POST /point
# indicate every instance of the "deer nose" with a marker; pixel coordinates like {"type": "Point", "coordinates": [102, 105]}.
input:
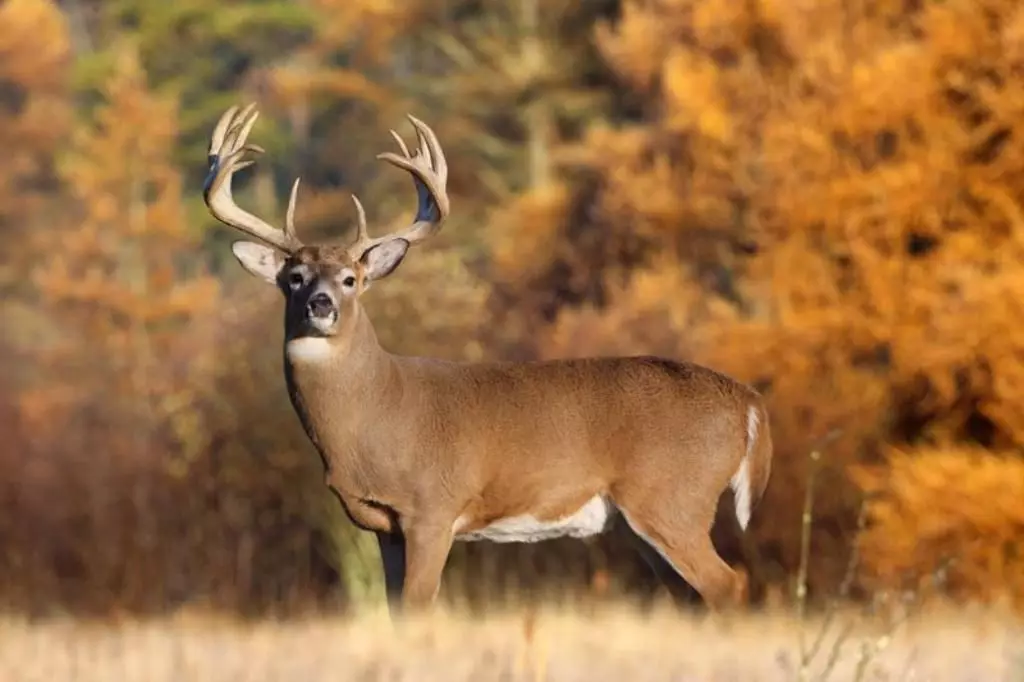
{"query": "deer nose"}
{"type": "Point", "coordinates": [320, 305]}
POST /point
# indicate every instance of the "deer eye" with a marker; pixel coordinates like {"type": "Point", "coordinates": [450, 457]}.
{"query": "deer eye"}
{"type": "Point", "coordinates": [296, 280]}
{"type": "Point", "coordinates": [349, 281]}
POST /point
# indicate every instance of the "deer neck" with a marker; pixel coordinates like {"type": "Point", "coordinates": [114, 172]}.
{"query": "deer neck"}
{"type": "Point", "coordinates": [340, 384]}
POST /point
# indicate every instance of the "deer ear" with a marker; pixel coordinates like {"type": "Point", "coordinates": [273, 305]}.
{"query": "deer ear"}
{"type": "Point", "coordinates": [381, 260]}
{"type": "Point", "coordinates": [262, 261]}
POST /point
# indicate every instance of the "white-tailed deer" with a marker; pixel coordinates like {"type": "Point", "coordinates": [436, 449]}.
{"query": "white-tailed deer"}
{"type": "Point", "coordinates": [423, 451]}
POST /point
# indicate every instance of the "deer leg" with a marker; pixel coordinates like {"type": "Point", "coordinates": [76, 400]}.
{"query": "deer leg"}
{"type": "Point", "coordinates": [392, 556]}
{"type": "Point", "coordinates": [693, 557]}
{"type": "Point", "coordinates": [680, 591]}
{"type": "Point", "coordinates": [426, 552]}
{"type": "Point", "coordinates": [683, 540]}
{"type": "Point", "coordinates": [700, 564]}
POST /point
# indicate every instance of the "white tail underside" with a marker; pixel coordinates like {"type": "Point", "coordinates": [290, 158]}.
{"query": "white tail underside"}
{"type": "Point", "coordinates": [740, 482]}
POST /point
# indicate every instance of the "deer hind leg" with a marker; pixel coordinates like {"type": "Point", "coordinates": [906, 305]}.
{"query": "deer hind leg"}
{"type": "Point", "coordinates": [683, 541]}
{"type": "Point", "coordinates": [669, 578]}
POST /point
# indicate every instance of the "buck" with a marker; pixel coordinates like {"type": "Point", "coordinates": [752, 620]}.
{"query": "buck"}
{"type": "Point", "coordinates": [423, 452]}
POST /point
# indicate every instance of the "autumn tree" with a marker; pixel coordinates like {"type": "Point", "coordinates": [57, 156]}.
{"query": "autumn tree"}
{"type": "Point", "coordinates": [184, 490]}
{"type": "Point", "coordinates": [115, 300]}
{"type": "Point", "coordinates": [159, 391]}
{"type": "Point", "coordinates": [34, 119]}
{"type": "Point", "coordinates": [946, 515]}
{"type": "Point", "coordinates": [115, 274]}
{"type": "Point", "coordinates": [820, 201]}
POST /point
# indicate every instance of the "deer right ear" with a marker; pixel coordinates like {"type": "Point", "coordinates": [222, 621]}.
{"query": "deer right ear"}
{"type": "Point", "coordinates": [259, 260]}
{"type": "Point", "coordinates": [381, 260]}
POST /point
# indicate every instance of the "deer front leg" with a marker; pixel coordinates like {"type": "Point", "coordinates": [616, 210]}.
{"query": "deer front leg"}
{"type": "Point", "coordinates": [426, 551]}
{"type": "Point", "coordinates": [370, 516]}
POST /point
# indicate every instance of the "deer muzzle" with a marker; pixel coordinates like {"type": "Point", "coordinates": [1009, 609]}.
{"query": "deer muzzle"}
{"type": "Point", "coordinates": [320, 307]}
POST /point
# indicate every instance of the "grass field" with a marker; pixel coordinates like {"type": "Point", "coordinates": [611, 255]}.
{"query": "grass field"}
{"type": "Point", "coordinates": [612, 645]}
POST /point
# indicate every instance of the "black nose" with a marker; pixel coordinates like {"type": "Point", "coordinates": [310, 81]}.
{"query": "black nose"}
{"type": "Point", "coordinates": [320, 305]}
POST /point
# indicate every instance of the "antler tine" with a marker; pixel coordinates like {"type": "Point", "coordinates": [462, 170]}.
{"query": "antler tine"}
{"type": "Point", "coordinates": [429, 170]}
{"type": "Point", "coordinates": [289, 218]}
{"type": "Point", "coordinates": [227, 152]}
{"type": "Point", "coordinates": [401, 143]}
{"type": "Point", "coordinates": [428, 140]}
{"type": "Point", "coordinates": [220, 130]}
{"type": "Point", "coordinates": [363, 240]}
{"type": "Point", "coordinates": [362, 234]}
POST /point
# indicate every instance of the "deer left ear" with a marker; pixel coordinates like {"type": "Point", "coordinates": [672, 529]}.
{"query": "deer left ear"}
{"type": "Point", "coordinates": [382, 259]}
{"type": "Point", "coordinates": [258, 259]}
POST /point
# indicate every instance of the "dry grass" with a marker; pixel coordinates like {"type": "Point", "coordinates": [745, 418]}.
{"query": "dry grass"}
{"type": "Point", "coordinates": [606, 645]}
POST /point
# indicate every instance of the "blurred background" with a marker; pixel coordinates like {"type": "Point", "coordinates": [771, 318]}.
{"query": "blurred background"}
{"type": "Point", "coordinates": [823, 199]}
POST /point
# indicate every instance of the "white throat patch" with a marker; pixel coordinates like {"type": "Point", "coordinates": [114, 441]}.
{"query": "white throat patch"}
{"type": "Point", "coordinates": [309, 349]}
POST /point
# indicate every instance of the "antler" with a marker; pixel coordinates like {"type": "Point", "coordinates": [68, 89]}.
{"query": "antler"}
{"type": "Point", "coordinates": [226, 157]}
{"type": "Point", "coordinates": [429, 171]}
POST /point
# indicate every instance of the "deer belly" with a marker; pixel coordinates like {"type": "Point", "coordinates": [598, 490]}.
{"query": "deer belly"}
{"type": "Point", "coordinates": [590, 519]}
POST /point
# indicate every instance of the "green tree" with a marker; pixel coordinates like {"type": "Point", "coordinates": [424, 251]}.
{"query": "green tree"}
{"type": "Point", "coordinates": [202, 53]}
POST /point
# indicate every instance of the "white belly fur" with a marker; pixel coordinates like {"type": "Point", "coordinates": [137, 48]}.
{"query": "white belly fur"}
{"type": "Point", "coordinates": [590, 519]}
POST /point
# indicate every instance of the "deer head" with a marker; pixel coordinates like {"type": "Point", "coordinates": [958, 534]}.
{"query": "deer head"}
{"type": "Point", "coordinates": [321, 283]}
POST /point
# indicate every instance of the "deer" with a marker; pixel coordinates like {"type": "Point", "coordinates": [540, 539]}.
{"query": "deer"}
{"type": "Point", "coordinates": [424, 452]}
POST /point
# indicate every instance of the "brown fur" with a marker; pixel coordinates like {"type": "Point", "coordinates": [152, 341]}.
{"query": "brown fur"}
{"type": "Point", "coordinates": [417, 443]}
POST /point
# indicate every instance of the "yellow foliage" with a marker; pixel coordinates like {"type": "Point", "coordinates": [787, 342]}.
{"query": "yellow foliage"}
{"type": "Point", "coordinates": [820, 198]}
{"type": "Point", "coordinates": [433, 306]}
{"type": "Point", "coordinates": [693, 95]}
{"type": "Point", "coordinates": [376, 22]}
{"type": "Point", "coordinates": [641, 319]}
{"type": "Point", "coordinates": [110, 271]}
{"type": "Point", "coordinates": [174, 493]}
{"type": "Point", "coordinates": [828, 197]}
{"type": "Point", "coordinates": [313, 72]}
{"type": "Point", "coordinates": [35, 53]}
{"type": "Point", "coordinates": [958, 510]}
{"type": "Point", "coordinates": [521, 242]}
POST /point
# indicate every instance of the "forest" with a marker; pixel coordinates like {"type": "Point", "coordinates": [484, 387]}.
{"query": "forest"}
{"type": "Point", "coordinates": [824, 200]}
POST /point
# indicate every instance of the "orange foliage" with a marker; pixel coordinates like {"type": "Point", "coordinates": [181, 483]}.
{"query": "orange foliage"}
{"type": "Point", "coordinates": [112, 273]}
{"type": "Point", "coordinates": [823, 201]}
{"type": "Point", "coordinates": [34, 119]}
{"type": "Point", "coordinates": [947, 510]}
{"type": "Point", "coordinates": [178, 495]}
